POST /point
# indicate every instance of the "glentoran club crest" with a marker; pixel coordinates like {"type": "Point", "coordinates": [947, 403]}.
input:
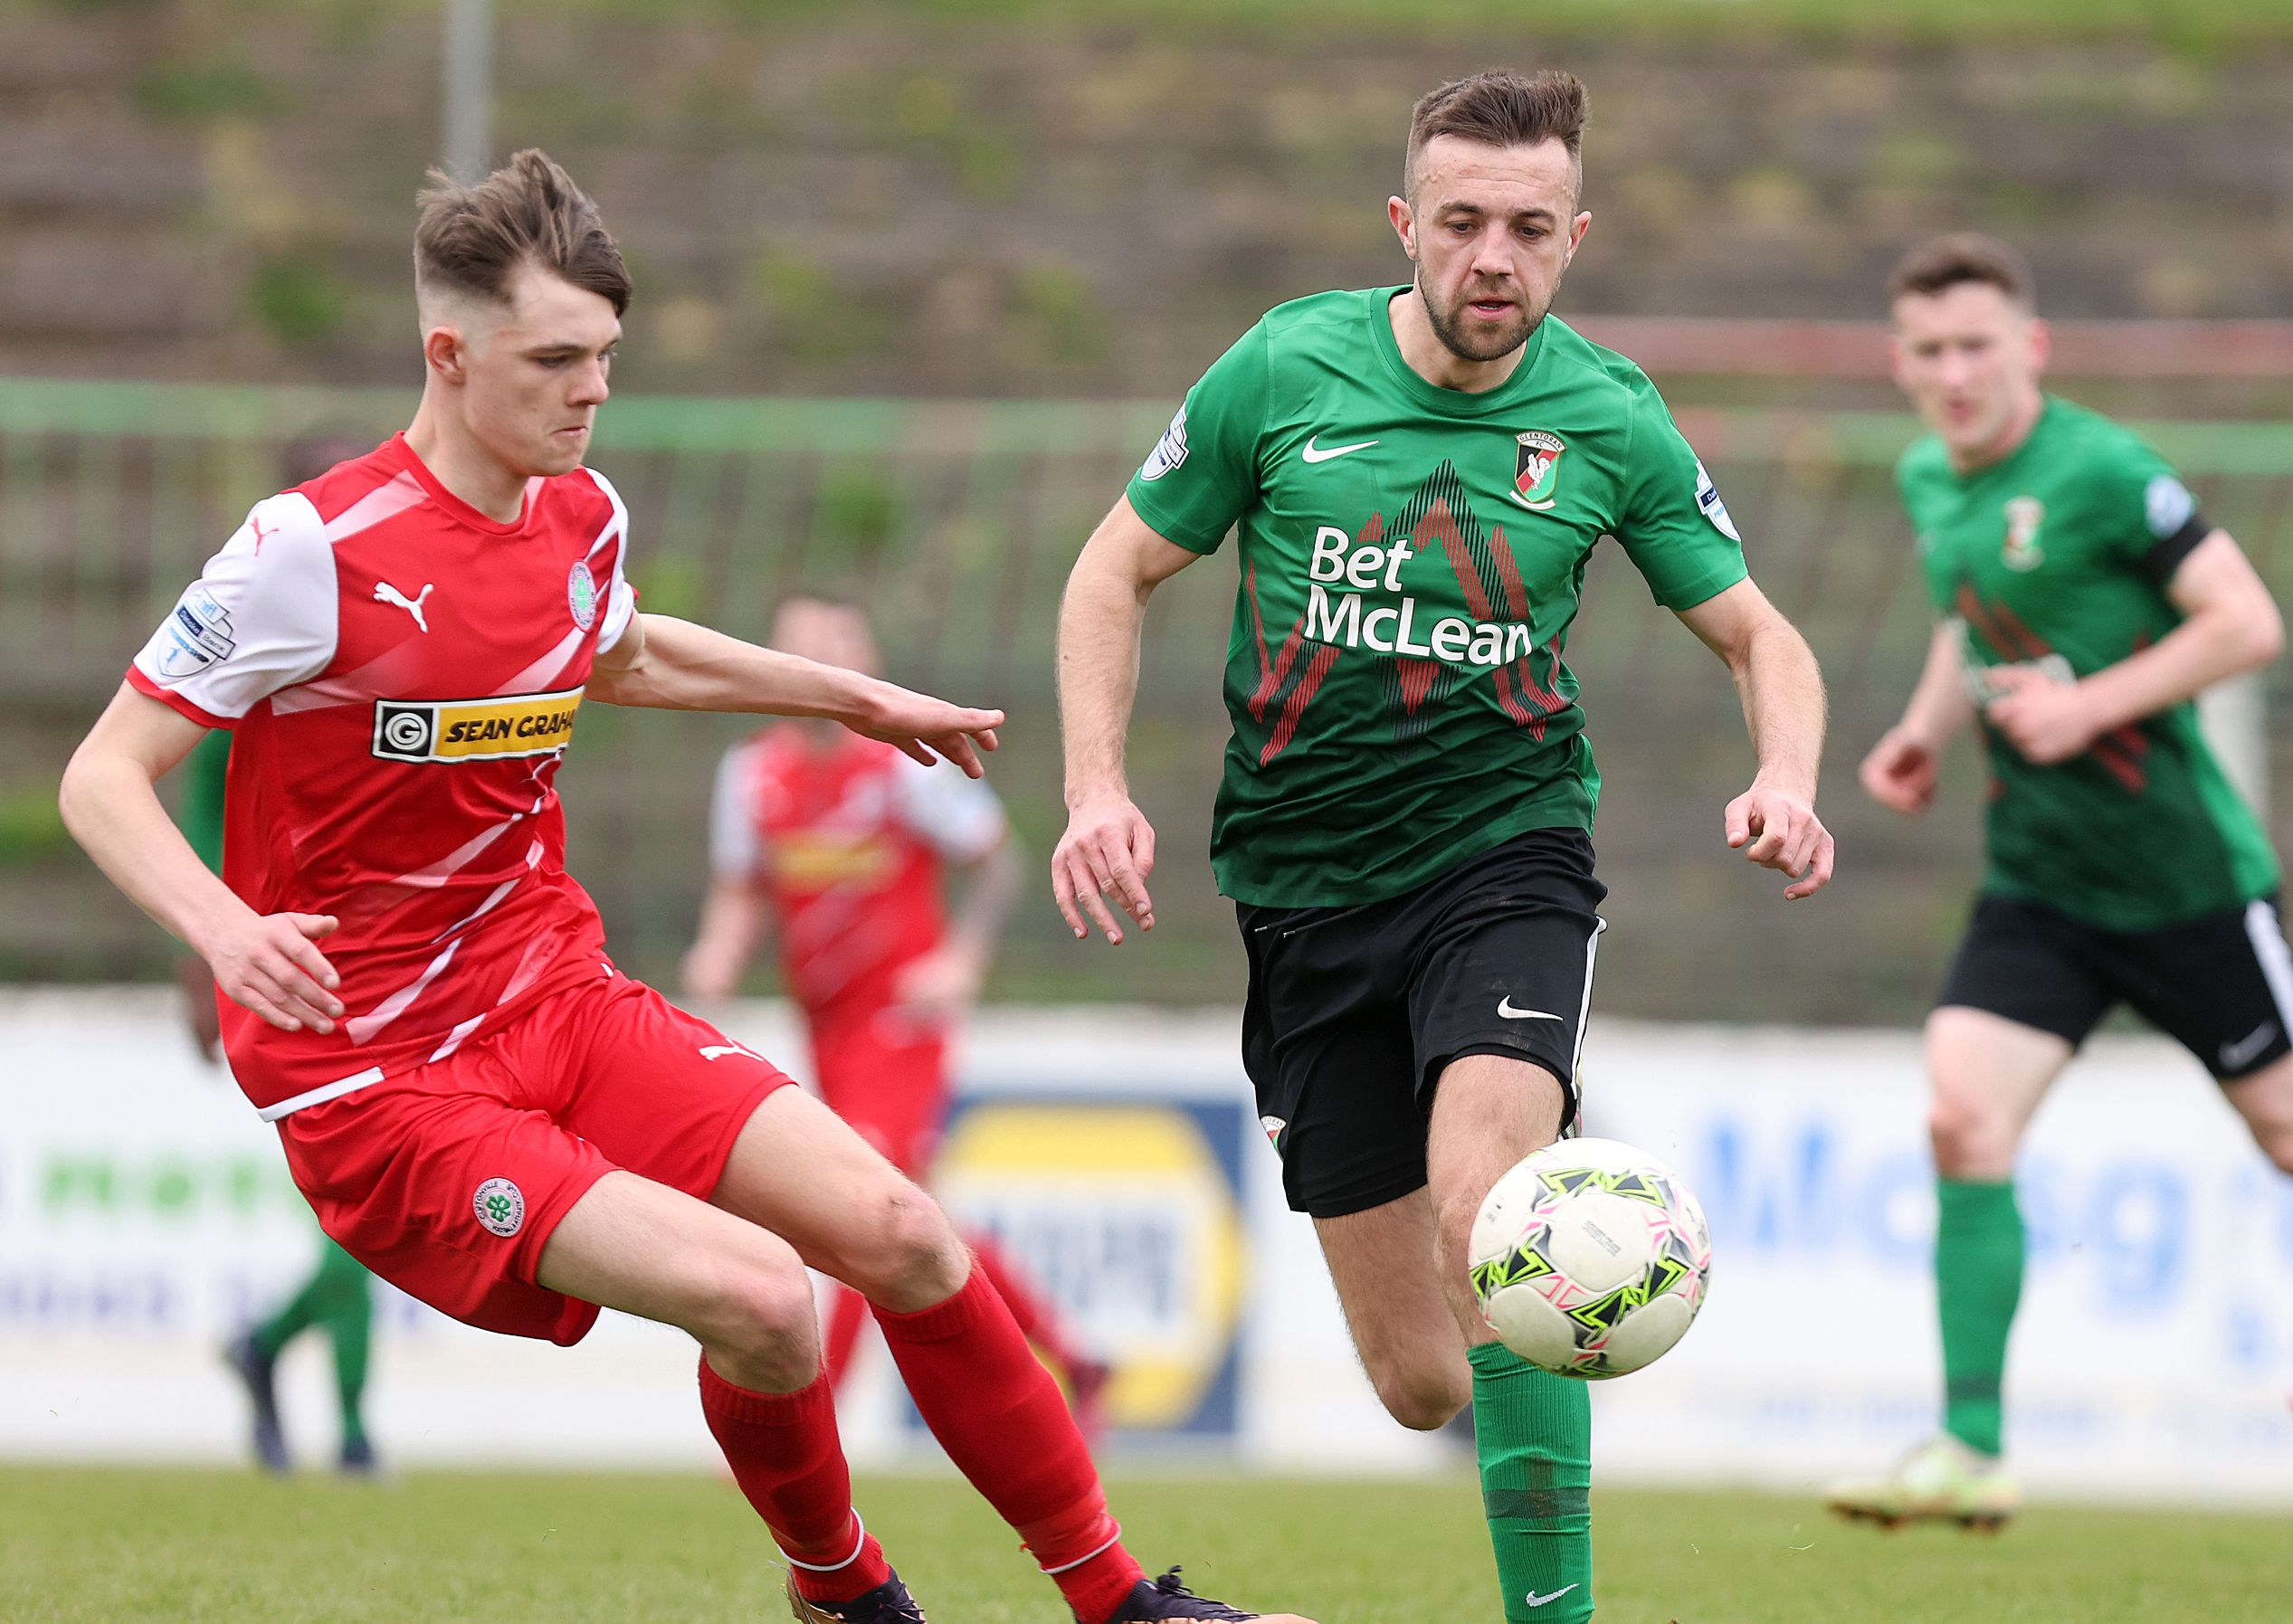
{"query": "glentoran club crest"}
{"type": "Point", "coordinates": [2024, 515]}
{"type": "Point", "coordinates": [1538, 469]}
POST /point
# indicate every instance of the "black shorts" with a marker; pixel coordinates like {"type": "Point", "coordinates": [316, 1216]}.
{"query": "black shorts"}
{"type": "Point", "coordinates": [2222, 985]}
{"type": "Point", "coordinates": [1353, 1011]}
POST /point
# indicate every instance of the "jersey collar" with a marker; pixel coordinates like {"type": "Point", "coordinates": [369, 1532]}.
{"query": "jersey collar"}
{"type": "Point", "coordinates": [1968, 482]}
{"type": "Point", "coordinates": [1450, 403]}
{"type": "Point", "coordinates": [452, 506]}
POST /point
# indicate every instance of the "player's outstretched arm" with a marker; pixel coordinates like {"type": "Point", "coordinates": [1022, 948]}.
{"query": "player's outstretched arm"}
{"type": "Point", "coordinates": [1905, 766]}
{"type": "Point", "coordinates": [2230, 625]}
{"type": "Point", "coordinates": [268, 963]}
{"type": "Point", "coordinates": [668, 664]}
{"type": "Point", "coordinates": [1781, 687]}
{"type": "Point", "coordinates": [1108, 846]}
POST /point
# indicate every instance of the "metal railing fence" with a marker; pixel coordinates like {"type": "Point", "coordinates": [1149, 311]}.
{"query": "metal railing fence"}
{"type": "Point", "coordinates": [958, 521]}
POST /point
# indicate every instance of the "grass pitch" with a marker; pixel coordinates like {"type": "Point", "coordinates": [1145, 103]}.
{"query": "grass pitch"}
{"type": "Point", "coordinates": [78, 1547]}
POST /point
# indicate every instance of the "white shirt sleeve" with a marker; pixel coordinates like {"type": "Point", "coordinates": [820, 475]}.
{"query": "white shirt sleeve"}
{"type": "Point", "coordinates": [621, 598]}
{"type": "Point", "coordinates": [262, 616]}
{"type": "Point", "coordinates": [736, 844]}
{"type": "Point", "coordinates": [958, 817]}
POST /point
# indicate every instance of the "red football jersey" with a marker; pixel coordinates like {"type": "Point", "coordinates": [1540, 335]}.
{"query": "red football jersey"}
{"type": "Point", "coordinates": [403, 674]}
{"type": "Point", "coordinates": [849, 844]}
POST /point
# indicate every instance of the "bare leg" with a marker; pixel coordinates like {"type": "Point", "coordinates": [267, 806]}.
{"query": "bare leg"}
{"type": "Point", "coordinates": [802, 1172]}
{"type": "Point", "coordinates": [2265, 1100]}
{"type": "Point", "coordinates": [649, 1250]}
{"type": "Point", "coordinates": [1988, 1075]}
{"type": "Point", "coordinates": [1383, 1263]}
{"type": "Point", "coordinates": [1400, 1269]}
{"type": "Point", "coordinates": [1491, 1111]}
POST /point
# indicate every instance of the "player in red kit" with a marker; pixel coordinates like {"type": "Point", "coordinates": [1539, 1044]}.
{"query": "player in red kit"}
{"type": "Point", "coordinates": [845, 844]}
{"type": "Point", "coordinates": [478, 1106]}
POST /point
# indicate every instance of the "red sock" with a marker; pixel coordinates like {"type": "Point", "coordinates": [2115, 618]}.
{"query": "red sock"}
{"type": "Point", "coordinates": [1037, 1320]}
{"type": "Point", "coordinates": [847, 1312]}
{"type": "Point", "coordinates": [784, 1454]}
{"type": "Point", "coordinates": [999, 1415]}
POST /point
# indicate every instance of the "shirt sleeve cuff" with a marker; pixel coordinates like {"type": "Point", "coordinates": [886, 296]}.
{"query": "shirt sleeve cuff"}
{"type": "Point", "coordinates": [176, 702]}
{"type": "Point", "coordinates": [1174, 530]}
{"type": "Point", "coordinates": [1705, 588]}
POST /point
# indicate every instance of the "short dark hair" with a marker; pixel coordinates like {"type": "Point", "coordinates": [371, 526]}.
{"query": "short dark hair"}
{"type": "Point", "coordinates": [843, 596]}
{"type": "Point", "coordinates": [1944, 262]}
{"type": "Point", "coordinates": [471, 240]}
{"type": "Point", "coordinates": [1500, 108]}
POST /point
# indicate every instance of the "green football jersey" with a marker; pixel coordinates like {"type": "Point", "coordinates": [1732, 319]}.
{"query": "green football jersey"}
{"type": "Point", "coordinates": [2057, 557]}
{"type": "Point", "coordinates": [1410, 558]}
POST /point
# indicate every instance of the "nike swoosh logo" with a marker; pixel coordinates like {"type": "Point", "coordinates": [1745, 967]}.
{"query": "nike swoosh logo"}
{"type": "Point", "coordinates": [1505, 1008]}
{"type": "Point", "coordinates": [718, 1051]}
{"type": "Point", "coordinates": [2234, 1055]}
{"type": "Point", "coordinates": [1315, 453]}
{"type": "Point", "coordinates": [1536, 1600]}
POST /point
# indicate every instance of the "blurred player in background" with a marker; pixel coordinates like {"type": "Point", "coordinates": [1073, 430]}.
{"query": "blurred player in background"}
{"type": "Point", "coordinates": [1418, 475]}
{"type": "Point", "coordinates": [478, 1104]}
{"type": "Point", "coordinates": [338, 1296]}
{"type": "Point", "coordinates": [2084, 602]}
{"type": "Point", "coordinates": [845, 845]}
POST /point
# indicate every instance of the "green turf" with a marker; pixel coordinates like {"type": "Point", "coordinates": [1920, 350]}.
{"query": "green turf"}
{"type": "Point", "coordinates": [123, 1546]}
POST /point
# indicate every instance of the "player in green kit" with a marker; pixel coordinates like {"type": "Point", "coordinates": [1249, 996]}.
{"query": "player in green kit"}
{"type": "Point", "coordinates": [2083, 603]}
{"type": "Point", "coordinates": [1416, 476]}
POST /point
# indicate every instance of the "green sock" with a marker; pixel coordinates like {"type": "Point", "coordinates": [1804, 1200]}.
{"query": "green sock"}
{"type": "Point", "coordinates": [1978, 1280]}
{"type": "Point", "coordinates": [1534, 1431]}
{"type": "Point", "coordinates": [296, 1314]}
{"type": "Point", "coordinates": [344, 1293]}
{"type": "Point", "coordinates": [338, 1296]}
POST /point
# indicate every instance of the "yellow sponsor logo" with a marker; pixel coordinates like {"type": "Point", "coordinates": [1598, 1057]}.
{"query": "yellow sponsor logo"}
{"type": "Point", "coordinates": [475, 729]}
{"type": "Point", "coordinates": [814, 860]}
{"type": "Point", "coordinates": [1126, 1220]}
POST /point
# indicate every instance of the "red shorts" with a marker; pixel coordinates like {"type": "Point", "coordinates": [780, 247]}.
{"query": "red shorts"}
{"type": "Point", "coordinates": [446, 1181]}
{"type": "Point", "coordinates": [886, 1076]}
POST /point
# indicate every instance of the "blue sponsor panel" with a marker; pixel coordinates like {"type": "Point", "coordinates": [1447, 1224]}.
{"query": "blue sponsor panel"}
{"type": "Point", "coordinates": [2169, 1240]}
{"type": "Point", "coordinates": [1127, 1212]}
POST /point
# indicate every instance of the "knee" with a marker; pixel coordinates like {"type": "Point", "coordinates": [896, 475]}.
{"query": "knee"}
{"type": "Point", "coordinates": [1453, 1216]}
{"type": "Point", "coordinates": [908, 1256]}
{"type": "Point", "coordinates": [759, 1327]}
{"type": "Point", "coordinates": [1423, 1400]}
{"type": "Point", "coordinates": [1971, 1140]}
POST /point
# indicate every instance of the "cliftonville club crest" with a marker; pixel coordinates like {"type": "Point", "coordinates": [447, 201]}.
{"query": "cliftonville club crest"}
{"type": "Point", "coordinates": [2024, 515]}
{"type": "Point", "coordinates": [1537, 469]}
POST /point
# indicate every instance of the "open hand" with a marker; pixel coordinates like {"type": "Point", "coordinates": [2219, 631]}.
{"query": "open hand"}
{"type": "Point", "coordinates": [1779, 829]}
{"type": "Point", "coordinates": [1108, 847]}
{"type": "Point", "coordinates": [2046, 719]}
{"type": "Point", "coordinates": [928, 728]}
{"type": "Point", "coordinates": [270, 963]}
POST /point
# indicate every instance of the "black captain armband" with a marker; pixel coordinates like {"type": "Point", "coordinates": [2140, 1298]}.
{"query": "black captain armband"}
{"type": "Point", "coordinates": [2162, 560]}
{"type": "Point", "coordinates": [2169, 512]}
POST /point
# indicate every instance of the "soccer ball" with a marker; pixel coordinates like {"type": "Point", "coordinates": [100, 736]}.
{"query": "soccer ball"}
{"type": "Point", "coordinates": [1590, 1257]}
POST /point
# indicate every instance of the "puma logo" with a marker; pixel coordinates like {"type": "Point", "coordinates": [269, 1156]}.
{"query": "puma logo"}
{"type": "Point", "coordinates": [386, 594]}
